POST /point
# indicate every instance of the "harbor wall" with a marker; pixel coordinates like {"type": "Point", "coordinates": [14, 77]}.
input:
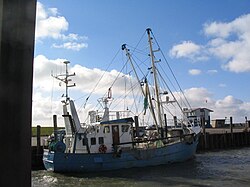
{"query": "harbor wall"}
{"type": "Point", "coordinates": [218, 141]}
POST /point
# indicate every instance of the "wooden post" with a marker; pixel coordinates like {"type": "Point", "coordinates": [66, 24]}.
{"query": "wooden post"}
{"type": "Point", "coordinates": [246, 124]}
{"type": "Point", "coordinates": [55, 126]}
{"type": "Point", "coordinates": [166, 125]}
{"type": "Point", "coordinates": [17, 31]}
{"type": "Point", "coordinates": [204, 131]}
{"type": "Point", "coordinates": [38, 139]}
{"type": "Point", "coordinates": [231, 131]}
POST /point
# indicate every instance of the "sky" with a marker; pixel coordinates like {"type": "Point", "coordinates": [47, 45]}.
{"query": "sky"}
{"type": "Point", "coordinates": [207, 44]}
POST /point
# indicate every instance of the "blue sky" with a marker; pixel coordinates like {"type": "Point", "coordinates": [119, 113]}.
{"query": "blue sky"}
{"type": "Point", "coordinates": [207, 44]}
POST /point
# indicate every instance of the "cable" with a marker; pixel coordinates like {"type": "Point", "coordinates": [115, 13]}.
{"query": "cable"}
{"type": "Point", "coordinates": [171, 71]}
{"type": "Point", "coordinates": [101, 78]}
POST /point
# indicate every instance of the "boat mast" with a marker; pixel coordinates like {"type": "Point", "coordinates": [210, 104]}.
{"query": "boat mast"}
{"type": "Point", "coordinates": [158, 102]}
{"type": "Point", "coordinates": [143, 92]}
{"type": "Point", "coordinates": [133, 67]}
{"type": "Point", "coordinates": [66, 80]}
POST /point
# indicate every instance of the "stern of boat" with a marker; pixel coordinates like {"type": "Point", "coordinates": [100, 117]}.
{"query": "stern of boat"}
{"type": "Point", "coordinates": [48, 159]}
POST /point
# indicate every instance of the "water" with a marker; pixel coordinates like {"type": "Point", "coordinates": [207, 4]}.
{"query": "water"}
{"type": "Point", "coordinates": [224, 168]}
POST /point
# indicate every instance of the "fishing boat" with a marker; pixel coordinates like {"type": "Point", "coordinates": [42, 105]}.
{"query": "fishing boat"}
{"type": "Point", "coordinates": [122, 140]}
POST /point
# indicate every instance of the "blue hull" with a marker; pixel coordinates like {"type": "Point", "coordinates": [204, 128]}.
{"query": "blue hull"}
{"type": "Point", "coordinates": [76, 162]}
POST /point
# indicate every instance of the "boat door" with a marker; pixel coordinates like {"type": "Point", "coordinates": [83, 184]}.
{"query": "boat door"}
{"type": "Point", "coordinates": [115, 134]}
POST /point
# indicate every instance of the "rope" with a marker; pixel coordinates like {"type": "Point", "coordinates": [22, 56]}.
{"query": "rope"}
{"type": "Point", "coordinates": [101, 78]}
{"type": "Point", "coordinates": [171, 71]}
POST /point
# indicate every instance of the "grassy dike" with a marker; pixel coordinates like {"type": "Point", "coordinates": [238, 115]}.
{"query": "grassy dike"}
{"type": "Point", "coordinates": [45, 131]}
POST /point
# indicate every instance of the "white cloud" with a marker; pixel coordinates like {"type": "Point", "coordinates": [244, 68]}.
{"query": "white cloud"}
{"type": "Point", "coordinates": [228, 101]}
{"type": "Point", "coordinates": [43, 68]}
{"type": "Point", "coordinates": [53, 11]}
{"type": "Point", "coordinates": [90, 77]}
{"type": "Point", "coordinates": [190, 50]}
{"type": "Point", "coordinates": [194, 72]}
{"type": "Point", "coordinates": [49, 24]}
{"type": "Point", "coordinates": [73, 37]}
{"type": "Point", "coordinates": [222, 85]}
{"type": "Point", "coordinates": [198, 96]}
{"type": "Point", "coordinates": [239, 27]}
{"type": "Point", "coordinates": [217, 29]}
{"type": "Point", "coordinates": [45, 104]}
{"type": "Point", "coordinates": [71, 45]}
{"type": "Point", "coordinates": [233, 43]}
{"type": "Point", "coordinates": [43, 108]}
{"type": "Point", "coordinates": [85, 79]}
{"type": "Point", "coordinates": [228, 41]}
{"type": "Point", "coordinates": [230, 106]}
{"type": "Point", "coordinates": [225, 107]}
{"type": "Point", "coordinates": [212, 71]}
{"type": "Point", "coordinates": [40, 12]}
{"type": "Point", "coordinates": [185, 49]}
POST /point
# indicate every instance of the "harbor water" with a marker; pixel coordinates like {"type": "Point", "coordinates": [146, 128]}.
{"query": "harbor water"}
{"type": "Point", "coordinates": [223, 168]}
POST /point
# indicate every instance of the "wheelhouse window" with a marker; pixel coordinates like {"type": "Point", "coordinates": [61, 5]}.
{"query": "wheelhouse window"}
{"type": "Point", "coordinates": [93, 141]}
{"type": "Point", "coordinates": [125, 128]}
{"type": "Point", "coordinates": [101, 140]}
{"type": "Point", "coordinates": [106, 129]}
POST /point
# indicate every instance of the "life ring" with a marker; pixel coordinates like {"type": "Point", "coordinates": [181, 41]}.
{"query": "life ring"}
{"type": "Point", "coordinates": [102, 148]}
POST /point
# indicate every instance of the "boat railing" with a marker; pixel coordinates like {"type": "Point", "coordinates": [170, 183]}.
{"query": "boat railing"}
{"type": "Point", "coordinates": [116, 114]}
{"type": "Point", "coordinates": [166, 140]}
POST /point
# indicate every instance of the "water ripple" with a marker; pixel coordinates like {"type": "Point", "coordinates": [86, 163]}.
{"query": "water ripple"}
{"type": "Point", "coordinates": [224, 168]}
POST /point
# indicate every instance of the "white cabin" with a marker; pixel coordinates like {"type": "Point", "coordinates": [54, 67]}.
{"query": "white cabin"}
{"type": "Point", "coordinates": [99, 137]}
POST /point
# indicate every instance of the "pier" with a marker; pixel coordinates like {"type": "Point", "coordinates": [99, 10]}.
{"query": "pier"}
{"type": "Point", "coordinates": [221, 139]}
